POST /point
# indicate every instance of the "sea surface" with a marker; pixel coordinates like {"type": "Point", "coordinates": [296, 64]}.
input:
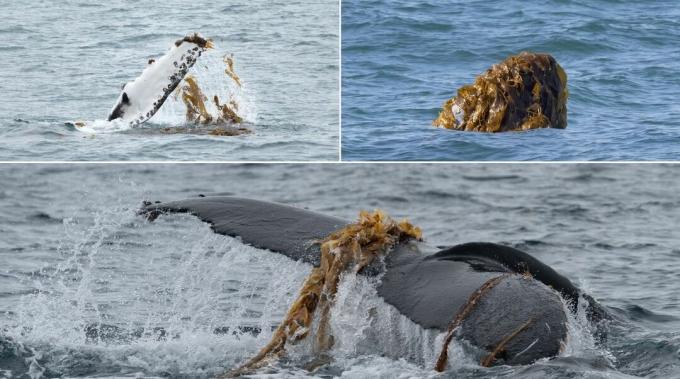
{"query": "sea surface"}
{"type": "Point", "coordinates": [65, 61]}
{"type": "Point", "coordinates": [401, 60]}
{"type": "Point", "coordinates": [88, 288]}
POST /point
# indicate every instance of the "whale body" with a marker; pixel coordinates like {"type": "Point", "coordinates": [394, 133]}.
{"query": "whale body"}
{"type": "Point", "coordinates": [141, 98]}
{"type": "Point", "coordinates": [501, 300]}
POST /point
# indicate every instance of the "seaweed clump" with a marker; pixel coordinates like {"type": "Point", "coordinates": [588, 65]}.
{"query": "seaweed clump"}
{"type": "Point", "coordinates": [194, 99]}
{"type": "Point", "coordinates": [229, 131]}
{"type": "Point", "coordinates": [355, 246]}
{"type": "Point", "coordinates": [222, 131]}
{"type": "Point", "coordinates": [196, 38]}
{"type": "Point", "coordinates": [525, 91]}
{"type": "Point", "coordinates": [227, 111]}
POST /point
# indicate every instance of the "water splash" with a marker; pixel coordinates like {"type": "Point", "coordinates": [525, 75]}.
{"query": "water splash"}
{"type": "Point", "coordinates": [190, 289]}
{"type": "Point", "coordinates": [214, 75]}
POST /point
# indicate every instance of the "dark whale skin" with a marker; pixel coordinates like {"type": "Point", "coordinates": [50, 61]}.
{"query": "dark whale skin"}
{"type": "Point", "coordinates": [429, 289]}
{"type": "Point", "coordinates": [280, 228]}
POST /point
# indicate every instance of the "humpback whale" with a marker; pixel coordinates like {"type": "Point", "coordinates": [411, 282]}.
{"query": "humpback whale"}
{"type": "Point", "coordinates": [502, 301]}
{"type": "Point", "coordinates": [141, 98]}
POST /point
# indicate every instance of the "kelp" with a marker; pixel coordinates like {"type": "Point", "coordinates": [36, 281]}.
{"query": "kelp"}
{"type": "Point", "coordinates": [196, 38]}
{"type": "Point", "coordinates": [225, 130]}
{"type": "Point", "coordinates": [227, 112]}
{"type": "Point", "coordinates": [462, 314]}
{"type": "Point", "coordinates": [525, 91]}
{"type": "Point", "coordinates": [228, 131]}
{"type": "Point", "coordinates": [194, 99]}
{"type": "Point", "coordinates": [353, 247]}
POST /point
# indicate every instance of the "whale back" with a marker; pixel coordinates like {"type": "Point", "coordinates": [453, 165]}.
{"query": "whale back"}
{"type": "Point", "coordinates": [498, 298]}
{"type": "Point", "coordinates": [511, 259]}
{"type": "Point", "coordinates": [503, 311]}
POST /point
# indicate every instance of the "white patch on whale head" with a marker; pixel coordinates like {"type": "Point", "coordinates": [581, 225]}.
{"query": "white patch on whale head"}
{"type": "Point", "coordinates": [458, 113]}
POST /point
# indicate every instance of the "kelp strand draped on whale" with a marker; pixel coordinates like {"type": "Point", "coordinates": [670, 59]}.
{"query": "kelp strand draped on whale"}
{"type": "Point", "coordinates": [525, 91]}
{"type": "Point", "coordinates": [353, 247]}
{"type": "Point", "coordinates": [502, 301]}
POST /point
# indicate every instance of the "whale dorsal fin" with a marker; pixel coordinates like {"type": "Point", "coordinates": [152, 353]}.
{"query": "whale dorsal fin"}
{"type": "Point", "coordinates": [515, 261]}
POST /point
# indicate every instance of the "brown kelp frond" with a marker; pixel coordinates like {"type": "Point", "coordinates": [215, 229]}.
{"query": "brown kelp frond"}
{"type": "Point", "coordinates": [226, 131]}
{"type": "Point", "coordinates": [197, 39]}
{"type": "Point", "coordinates": [229, 60]}
{"type": "Point", "coordinates": [227, 112]}
{"type": "Point", "coordinates": [229, 131]}
{"type": "Point", "coordinates": [463, 312]}
{"type": "Point", "coordinates": [194, 99]}
{"type": "Point", "coordinates": [353, 247]}
{"type": "Point", "coordinates": [197, 112]}
{"type": "Point", "coordinates": [525, 91]}
{"type": "Point", "coordinates": [491, 357]}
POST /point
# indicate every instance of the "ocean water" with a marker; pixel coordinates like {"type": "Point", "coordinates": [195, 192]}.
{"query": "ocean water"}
{"type": "Point", "coordinates": [88, 288]}
{"type": "Point", "coordinates": [401, 60]}
{"type": "Point", "coordinates": [66, 60]}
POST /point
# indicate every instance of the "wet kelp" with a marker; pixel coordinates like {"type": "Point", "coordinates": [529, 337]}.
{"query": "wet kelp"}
{"type": "Point", "coordinates": [197, 112]}
{"type": "Point", "coordinates": [229, 60]}
{"type": "Point", "coordinates": [353, 247]}
{"type": "Point", "coordinates": [195, 101]}
{"type": "Point", "coordinates": [525, 91]}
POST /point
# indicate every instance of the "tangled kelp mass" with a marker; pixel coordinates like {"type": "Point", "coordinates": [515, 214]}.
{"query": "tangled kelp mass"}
{"type": "Point", "coordinates": [525, 91]}
{"type": "Point", "coordinates": [355, 246]}
{"type": "Point", "coordinates": [224, 130]}
{"type": "Point", "coordinates": [197, 110]}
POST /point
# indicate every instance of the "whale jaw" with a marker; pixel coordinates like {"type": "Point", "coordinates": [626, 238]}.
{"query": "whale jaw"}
{"type": "Point", "coordinates": [143, 97]}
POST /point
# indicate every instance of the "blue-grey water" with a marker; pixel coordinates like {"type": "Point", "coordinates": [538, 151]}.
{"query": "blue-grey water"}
{"type": "Point", "coordinates": [88, 288]}
{"type": "Point", "coordinates": [402, 59]}
{"type": "Point", "coordinates": [66, 60]}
